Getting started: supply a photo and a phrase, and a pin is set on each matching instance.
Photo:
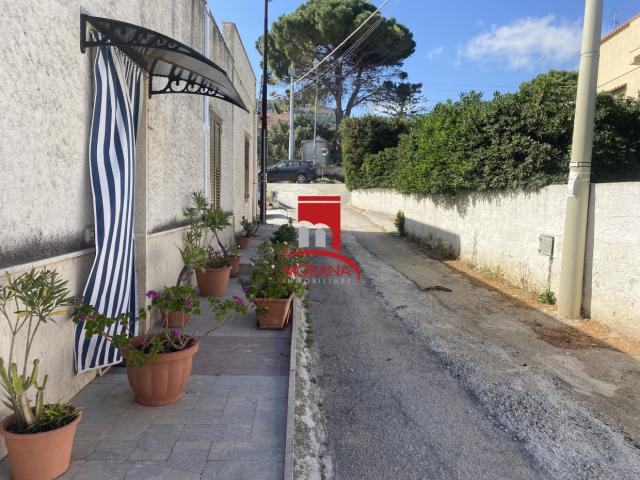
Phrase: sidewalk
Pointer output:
(230, 424)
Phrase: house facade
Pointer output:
(184, 143)
(619, 65)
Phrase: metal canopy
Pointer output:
(180, 68)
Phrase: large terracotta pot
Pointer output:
(213, 282)
(234, 262)
(39, 456)
(277, 312)
(177, 319)
(243, 242)
(164, 380)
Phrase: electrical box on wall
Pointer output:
(545, 245)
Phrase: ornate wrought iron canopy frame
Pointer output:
(180, 67)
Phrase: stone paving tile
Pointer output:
(145, 471)
(243, 470)
(263, 451)
(112, 449)
(102, 470)
(218, 433)
(189, 455)
(172, 474)
(156, 443)
(242, 356)
(240, 406)
(212, 402)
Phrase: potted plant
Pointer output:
(176, 304)
(213, 274)
(249, 228)
(158, 364)
(233, 259)
(212, 269)
(270, 286)
(38, 436)
(286, 235)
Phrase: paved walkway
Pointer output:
(230, 424)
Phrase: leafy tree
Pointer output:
(401, 99)
(317, 27)
(303, 130)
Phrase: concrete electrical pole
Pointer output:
(292, 140)
(315, 116)
(575, 227)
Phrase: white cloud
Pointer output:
(435, 52)
(526, 43)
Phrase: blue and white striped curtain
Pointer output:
(111, 286)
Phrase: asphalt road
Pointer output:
(458, 383)
(393, 411)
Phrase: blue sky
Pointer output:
(463, 44)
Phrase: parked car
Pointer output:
(298, 171)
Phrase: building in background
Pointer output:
(619, 67)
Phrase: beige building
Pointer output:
(619, 69)
(185, 143)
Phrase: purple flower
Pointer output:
(189, 303)
(81, 317)
(176, 333)
(245, 289)
(151, 294)
(237, 299)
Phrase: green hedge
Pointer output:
(363, 136)
(517, 140)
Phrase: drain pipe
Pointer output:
(575, 227)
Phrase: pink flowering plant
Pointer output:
(269, 277)
(215, 259)
(143, 349)
(177, 298)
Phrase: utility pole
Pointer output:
(315, 117)
(263, 129)
(292, 140)
(575, 227)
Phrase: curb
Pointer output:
(289, 439)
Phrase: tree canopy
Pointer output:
(518, 140)
(279, 137)
(400, 99)
(349, 78)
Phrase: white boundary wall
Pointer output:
(501, 229)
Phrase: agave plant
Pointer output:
(38, 296)
(205, 221)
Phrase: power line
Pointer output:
(352, 49)
(315, 67)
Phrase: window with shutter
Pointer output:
(215, 160)
(247, 154)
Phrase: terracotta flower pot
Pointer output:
(234, 261)
(164, 380)
(243, 242)
(39, 456)
(277, 312)
(213, 282)
(177, 319)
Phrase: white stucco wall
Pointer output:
(502, 229)
(45, 191)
